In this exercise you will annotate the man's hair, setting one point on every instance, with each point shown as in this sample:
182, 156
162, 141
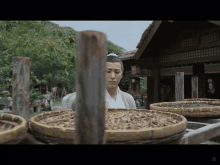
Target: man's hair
115, 59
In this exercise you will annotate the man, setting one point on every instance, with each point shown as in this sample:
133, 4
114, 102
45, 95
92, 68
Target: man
115, 98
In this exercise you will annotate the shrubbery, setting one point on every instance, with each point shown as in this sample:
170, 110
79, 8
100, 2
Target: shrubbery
51, 49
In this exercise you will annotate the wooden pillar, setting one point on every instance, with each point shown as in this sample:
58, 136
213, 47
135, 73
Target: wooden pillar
156, 77
139, 85
130, 84
150, 88
194, 82
199, 71
20, 90
179, 86
90, 78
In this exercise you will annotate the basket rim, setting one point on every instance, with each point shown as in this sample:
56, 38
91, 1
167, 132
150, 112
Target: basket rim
11, 134
150, 133
194, 111
199, 99
183, 101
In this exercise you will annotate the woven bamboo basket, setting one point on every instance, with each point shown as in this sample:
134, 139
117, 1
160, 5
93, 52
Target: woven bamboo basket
158, 135
12, 128
200, 99
210, 111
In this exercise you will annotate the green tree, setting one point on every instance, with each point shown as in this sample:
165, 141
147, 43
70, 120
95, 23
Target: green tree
143, 83
51, 49
112, 48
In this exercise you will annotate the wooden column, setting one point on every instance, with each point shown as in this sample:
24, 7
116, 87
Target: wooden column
150, 88
137, 84
130, 84
179, 86
90, 78
20, 90
156, 77
194, 82
199, 71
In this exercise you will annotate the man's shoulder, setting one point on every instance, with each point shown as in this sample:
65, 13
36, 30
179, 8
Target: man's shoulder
127, 94
69, 96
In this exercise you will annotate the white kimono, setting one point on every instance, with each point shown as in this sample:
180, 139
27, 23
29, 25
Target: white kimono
111, 103
123, 100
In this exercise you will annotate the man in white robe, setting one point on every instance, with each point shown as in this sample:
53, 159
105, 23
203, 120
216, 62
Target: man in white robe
115, 98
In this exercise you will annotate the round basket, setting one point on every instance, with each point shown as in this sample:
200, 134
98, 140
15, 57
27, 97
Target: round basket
12, 128
158, 135
200, 99
193, 108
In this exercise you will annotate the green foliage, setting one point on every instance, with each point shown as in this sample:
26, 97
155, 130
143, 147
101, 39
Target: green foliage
51, 49
112, 48
143, 83
48, 47
35, 95
5, 98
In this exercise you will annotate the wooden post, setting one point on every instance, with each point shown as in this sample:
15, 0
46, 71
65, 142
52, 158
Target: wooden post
199, 71
194, 82
90, 79
179, 86
63, 93
142, 99
156, 78
150, 88
20, 90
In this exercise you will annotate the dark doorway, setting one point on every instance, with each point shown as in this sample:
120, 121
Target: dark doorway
167, 88
187, 87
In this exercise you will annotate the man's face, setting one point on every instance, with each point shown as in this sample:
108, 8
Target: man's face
113, 74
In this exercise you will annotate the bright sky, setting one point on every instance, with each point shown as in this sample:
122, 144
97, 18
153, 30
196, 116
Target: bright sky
126, 34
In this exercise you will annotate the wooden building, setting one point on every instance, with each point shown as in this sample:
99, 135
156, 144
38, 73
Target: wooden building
167, 47
130, 82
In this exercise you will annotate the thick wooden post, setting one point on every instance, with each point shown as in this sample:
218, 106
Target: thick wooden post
90, 75
156, 77
20, 90
179, 86
150, 88
194, 82
199, 71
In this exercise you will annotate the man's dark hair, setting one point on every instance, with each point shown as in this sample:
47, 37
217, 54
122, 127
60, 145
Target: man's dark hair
115, 59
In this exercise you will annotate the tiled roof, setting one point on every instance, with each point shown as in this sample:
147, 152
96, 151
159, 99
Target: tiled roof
127, 57
130, 52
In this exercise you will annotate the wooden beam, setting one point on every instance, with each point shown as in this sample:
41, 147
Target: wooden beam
170, 72
20, 89
179, 86
212, 69
215, 22
194, 81
200, 135
190, 61
147, 40
143, 73
90, 75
